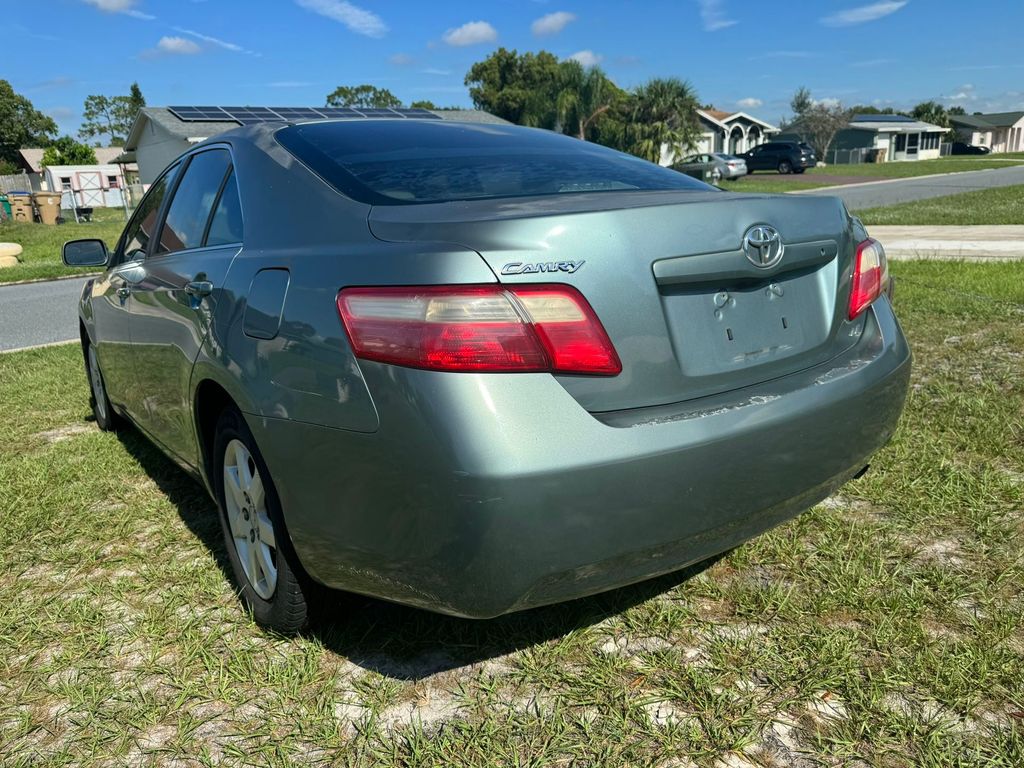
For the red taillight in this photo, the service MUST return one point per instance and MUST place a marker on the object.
(483, 328)
(870, 276)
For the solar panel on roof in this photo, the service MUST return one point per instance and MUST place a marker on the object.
(254, 115)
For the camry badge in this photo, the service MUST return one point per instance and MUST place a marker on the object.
(763, 246)
(518, 268)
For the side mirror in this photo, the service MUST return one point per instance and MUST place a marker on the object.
(89, 252)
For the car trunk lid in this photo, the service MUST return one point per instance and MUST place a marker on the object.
(688, 312)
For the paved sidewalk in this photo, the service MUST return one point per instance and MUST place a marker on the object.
(945, 243)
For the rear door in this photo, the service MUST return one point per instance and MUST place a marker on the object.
(173, 301)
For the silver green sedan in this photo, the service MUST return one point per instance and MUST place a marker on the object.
(479, 368)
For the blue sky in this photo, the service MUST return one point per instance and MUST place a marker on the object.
(737, 53)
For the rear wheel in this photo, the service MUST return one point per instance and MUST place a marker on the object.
(266, 568)
(102, 410)
(785, 167)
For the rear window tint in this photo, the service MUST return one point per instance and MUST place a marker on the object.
(403, 162)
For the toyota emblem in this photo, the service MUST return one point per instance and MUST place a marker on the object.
(762, 245)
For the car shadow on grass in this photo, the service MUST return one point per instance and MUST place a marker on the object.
(396, 641)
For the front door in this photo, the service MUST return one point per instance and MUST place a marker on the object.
(112, 294)
(174, 300)
(913, 142)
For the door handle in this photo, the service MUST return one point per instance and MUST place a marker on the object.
(124, 292)
(199, 288)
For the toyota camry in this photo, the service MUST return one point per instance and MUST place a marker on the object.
(478, 368)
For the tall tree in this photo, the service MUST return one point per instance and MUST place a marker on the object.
(931, 112)
(817, 122)
(107, 116)
(362, 96)
(67, 151)
(662, 117)
(136, 101)
(21, 124)
(522, 89)
(585, 95)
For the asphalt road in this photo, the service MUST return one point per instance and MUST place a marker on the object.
(39, 313)
(897, 191)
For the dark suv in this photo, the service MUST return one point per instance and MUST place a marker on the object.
(781, 156)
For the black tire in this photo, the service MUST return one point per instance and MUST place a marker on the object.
(285, 609)
(785, 167)
(800, 170)
(102, 410)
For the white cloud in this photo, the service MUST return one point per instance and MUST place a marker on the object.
(552, 23)
(235, 47)
(126, 7)
(587, 58)
(712, 13)
(358, 20)
(435, 71)
(471, 33)
(289, 84)
(750, 103)
(401, 59)
(863, 13)
(827, 102)
(61, 113)
(177, 45)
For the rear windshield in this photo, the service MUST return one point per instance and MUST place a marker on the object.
(403, 162)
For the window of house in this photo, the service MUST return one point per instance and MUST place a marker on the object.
(193, 201)
(930, 140)
(901, 142)
(112, 182)
(65, 183)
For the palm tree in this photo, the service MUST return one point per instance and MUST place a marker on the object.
(663, 117)
(584, 94)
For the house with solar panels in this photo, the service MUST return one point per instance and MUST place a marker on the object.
(879, 138)
(160, 134)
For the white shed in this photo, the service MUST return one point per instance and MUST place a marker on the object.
(86, 186)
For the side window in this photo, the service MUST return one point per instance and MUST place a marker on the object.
(193, 201)
(140, 230)
(226, 224)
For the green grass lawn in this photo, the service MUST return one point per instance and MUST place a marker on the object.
(1001, 205)
(42, 244)
(882, 628)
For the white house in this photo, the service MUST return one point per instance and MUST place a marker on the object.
(896, 137)
(729, 132)
(1000, 131)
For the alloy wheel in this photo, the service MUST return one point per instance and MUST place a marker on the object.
(252, 530)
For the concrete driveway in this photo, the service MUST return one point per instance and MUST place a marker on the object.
(894, 191)
(39, 313)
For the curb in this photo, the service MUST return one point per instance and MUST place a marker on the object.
(40, 346)
(49, 279)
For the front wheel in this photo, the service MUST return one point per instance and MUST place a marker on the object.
(266, 567)
(785, 167)
(102, 410)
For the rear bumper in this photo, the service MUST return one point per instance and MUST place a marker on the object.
(483, 495)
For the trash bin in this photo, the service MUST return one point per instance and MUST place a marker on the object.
(6, 205)
(48, 204)
(21, 206)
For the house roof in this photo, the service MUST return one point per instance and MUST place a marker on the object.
(991, 120)
(900, 124)
(33, 156)
(195, 131)
(718, 117)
